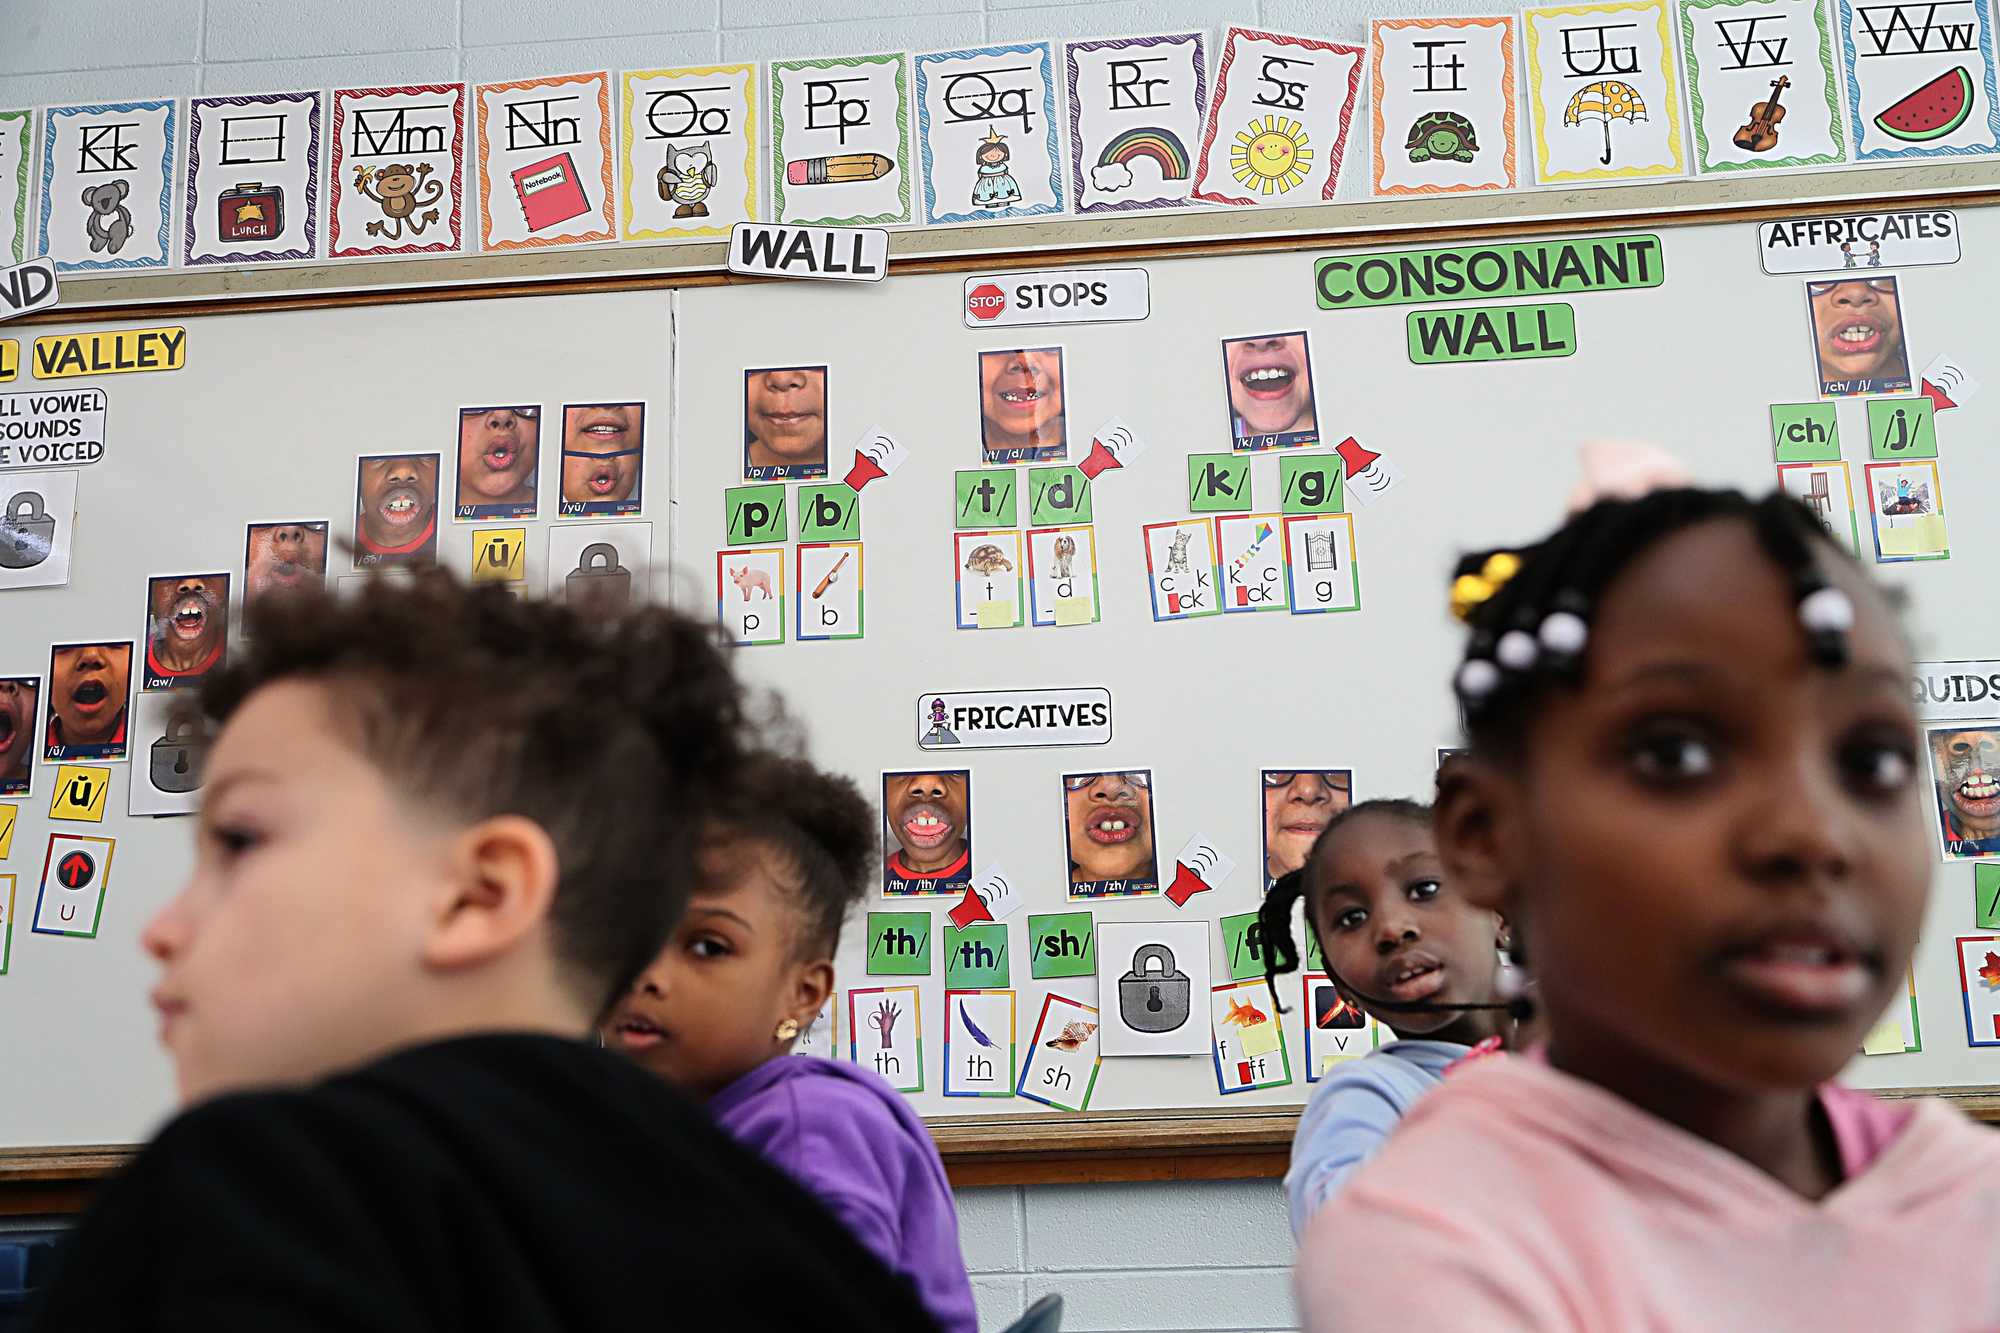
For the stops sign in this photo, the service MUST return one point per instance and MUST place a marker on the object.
(985, 301)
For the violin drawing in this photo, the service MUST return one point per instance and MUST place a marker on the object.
(1760, 133)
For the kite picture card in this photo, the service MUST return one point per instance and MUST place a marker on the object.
(396, 183)
(1135, 118)
(1763, 85)
(987, 133)
(1443, 104)
(1603, 92)
(1920, 78)
(1278, 121)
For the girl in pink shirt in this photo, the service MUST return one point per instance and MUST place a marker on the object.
(1693, 792)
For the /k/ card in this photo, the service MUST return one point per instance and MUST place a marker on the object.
(1252, 559)
(75, 873)
(842, 254)
(1180, 564)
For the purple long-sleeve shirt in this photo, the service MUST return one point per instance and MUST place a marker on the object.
(856, 1145)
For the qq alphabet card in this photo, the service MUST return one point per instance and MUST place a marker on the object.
(987, 133)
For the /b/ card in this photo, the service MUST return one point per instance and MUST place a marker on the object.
(830, 591)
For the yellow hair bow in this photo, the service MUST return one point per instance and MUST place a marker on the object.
(1470, 591)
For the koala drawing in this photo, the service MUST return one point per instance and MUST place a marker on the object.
(110, 222)
(1065, 553)
(687, 177)
(747, 578)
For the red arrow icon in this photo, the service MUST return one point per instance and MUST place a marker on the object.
(75, 870)
(970, 908)
(865, 470)
(1185, 886)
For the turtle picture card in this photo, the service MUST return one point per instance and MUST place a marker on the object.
(1777, 55)
(1278, 120)
(987, 134)
(988, 575)
(1443, 104)
(1920, 78)
(1135, 119)
(1603, 92)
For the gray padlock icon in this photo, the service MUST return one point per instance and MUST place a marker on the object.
(27, 534)
(181, 753)
(598, 582)
(1155, 995)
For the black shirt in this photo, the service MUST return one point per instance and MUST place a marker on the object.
(506, 1182)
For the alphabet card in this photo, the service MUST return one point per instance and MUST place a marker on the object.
(1249, 1041)
(1336, 1029)
(829, 585)
(1603, 93)
(840, 131)
(690, 145)
(1920, 78)
(545, 161)
(885, 1034)
(1062, 576)
(1180, 565)
(1826, 489)
(979, 1054)
(987, 133)
(17, 150)
(1899, 1032)
(750, 594)
(1151, 974)
(987, 570)
(1135, 110)
(75, 873)
(171, 740)
(1277, 125)
(1763, 88)
(1443, 104)
(107, 179)
(1979, 983)
(1320, 571)
(252, 179)
(1061, 1068)
(1251, 557)
(397, 181)
(7, 884)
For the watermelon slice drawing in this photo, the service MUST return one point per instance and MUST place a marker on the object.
(1932, 111)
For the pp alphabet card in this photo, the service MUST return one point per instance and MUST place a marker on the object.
(1763, 88)
(1603, 92)
(1920, 79)
(1278, 122)
(987, 133)
(840, 131)
(1444, 110)
(252, 179)
(17, 147)
(397, 182)
(107, 177)
(1135, 114)
(545, 165)
(690, 145)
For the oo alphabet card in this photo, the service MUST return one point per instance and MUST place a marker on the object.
(1061, 1068)
(1277, 125)
(252, 179)
(1603, 92)
(1443, 104)
(986, 131)
(1920, 78)
(1135, 114)
(1763, 88)
(397, 182)
(17, 150)
(107, 178)
(690, 145)
(545, 161)
(840, 132)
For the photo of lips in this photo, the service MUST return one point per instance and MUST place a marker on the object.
(1109, 821)
(187, 628)
(89, 689)
(1965, 766)
(18, 698)
(784, 424)
(1270, 387)
(1858, 337)
(1021, 405)
(499, 450)
(395, 515)
(282, 557)
(1297, 807)
(604, 456)
(927, 825)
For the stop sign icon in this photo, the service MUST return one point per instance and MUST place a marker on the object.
(985, 301)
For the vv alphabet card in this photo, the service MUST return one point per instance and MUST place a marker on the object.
(1443, 104)
(987, 133)
(1763, 88)
(545, 164)
(17, 150)
(1603, 92)
(1920, 80)
(1135, 114)
(840, 135)
(396, 185)
(690, 144)
(107, 181)
(252, 179)
(1277, 124)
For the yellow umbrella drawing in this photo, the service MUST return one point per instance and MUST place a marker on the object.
(1605, 102)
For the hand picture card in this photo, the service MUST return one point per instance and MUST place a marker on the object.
(1320, 568)
(1763, 85)
(395, 510)
(499, 462)
(545, 165)
(17, 156)
(1108, 821)
(1249, 1045)
(252, 179)
(1603, 92)
(1061, 1068)
(1135, 117)
(1278, 120)
(690, 144)
(1920, 79)
(1443, 104)
(397, 180)
(750, 594)
(1906, 510)
(927, 828)
(283, 557)
(602, 565)
(90, 686)
(885, 1034)
(172, 743)
(1062, 576)
(1965, 773)
(76, 872)
(1860, 341)
(987, 570)
(1336, 1028)
(840, 140)
(979, 1051)
(1180, 565)
(1297, 806)
(830, 591)
(987, 134)
(603, 459)
(37, 525)
(1825, 489)
(107, 181)
(1154, 975)
(187, 629)
(20, 704)
(1979, 985)
(1251, 557)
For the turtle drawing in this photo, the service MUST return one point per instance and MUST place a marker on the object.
(987, 559)
(1442, 134)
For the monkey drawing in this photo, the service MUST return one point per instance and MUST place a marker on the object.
(400, 190)
(687, 177)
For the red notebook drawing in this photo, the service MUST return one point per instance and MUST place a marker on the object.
(549, 191)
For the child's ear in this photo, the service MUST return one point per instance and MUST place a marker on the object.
(812, 985)
(1475, 832)
(501, 882)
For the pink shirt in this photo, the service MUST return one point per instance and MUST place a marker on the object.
(1517, 1197)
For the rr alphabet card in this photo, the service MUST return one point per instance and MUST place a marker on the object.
(107, 178)
(1278, 122)
(252, 179)
(397, 181)
(1763, 88)
(545, 161)
(1603, 92)
(840, 131)
(1444, 107)
(1135, 111)
(1920, 79)
(987, 133)
(690, 145)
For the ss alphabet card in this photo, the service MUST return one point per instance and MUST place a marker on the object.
(397, 180)
(107, 182)
(840, 140)
(690, 145)
(1277, 125)
(1443, 105)
(545, 164)
(1603, 92)
(987, 133)
(252, 179)
(1135, 115)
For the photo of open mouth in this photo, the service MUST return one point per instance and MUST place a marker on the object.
(1978, 796)
(927, 826)
(190, 618)
(1268, 383)
(401, 507)
(1114, 826)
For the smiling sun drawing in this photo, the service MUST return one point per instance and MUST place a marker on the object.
(1271, 157)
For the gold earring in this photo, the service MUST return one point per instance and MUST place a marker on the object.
(787, 1030)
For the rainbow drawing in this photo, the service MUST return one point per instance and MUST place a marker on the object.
(1160, 144)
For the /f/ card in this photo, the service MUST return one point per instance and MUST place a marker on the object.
(750, 594)
(1249, 1041)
